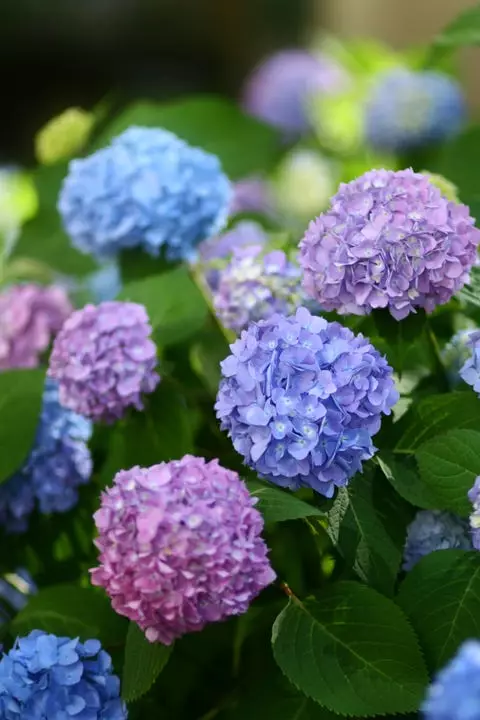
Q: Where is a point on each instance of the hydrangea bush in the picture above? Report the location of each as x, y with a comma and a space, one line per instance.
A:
240, 400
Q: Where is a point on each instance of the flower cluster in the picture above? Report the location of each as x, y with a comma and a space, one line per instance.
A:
148, 189
470, 371
389, 240
104, 359
58, 464
434, 530
251, 195
279, 88
455, 354
180, 546
45, 677
256, 285
408, 109
455, 692
474, 497
63, 136
30, 316
301, 399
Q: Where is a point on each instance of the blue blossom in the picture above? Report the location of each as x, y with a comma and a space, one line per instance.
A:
455, 692
15, 588
408, 109
45, 677
470, 370
105, 283
58, 463
434, 530
147, 189
301, 399
454, 355
474, 497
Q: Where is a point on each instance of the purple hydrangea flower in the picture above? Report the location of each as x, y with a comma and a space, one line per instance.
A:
147, 189
454, 355
251, 195
180, 546
45, 677
58, 464
474, 497
407, 109
389, 240
455, 692
30, 316
256, 285
301, 399
104, 359
470, 371
278, 89
434, 530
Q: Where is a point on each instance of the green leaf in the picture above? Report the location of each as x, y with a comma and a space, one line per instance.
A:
435, 415
351, 650
457, 161
441, 596
367, 525
144, 661
403, 476
278, 505
448, 465
399, 336
207, 353
244, 145
20, 407
463, 30
71, 611
174, 304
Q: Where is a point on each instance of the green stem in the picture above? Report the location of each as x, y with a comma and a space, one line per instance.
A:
198, 278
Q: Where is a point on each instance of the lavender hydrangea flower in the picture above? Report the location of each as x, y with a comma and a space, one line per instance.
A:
104, 359
45, 677
251, 195
147, 189
278, 89
180, 547
301, 399
58, 464
455, 692
30, 316
389, 240
454, 355
470, 371
408, 109
474, 497
256, 285
433, 530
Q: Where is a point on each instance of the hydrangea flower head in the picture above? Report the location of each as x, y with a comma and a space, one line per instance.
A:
455, 692
304, 183
63, 136
447, 188
105, 283
18, 203
147, 189
278, 89
251, 195
255, 285
407, 109
180, 547
58, 464
388, 240
470, 371
30, 316
45, 677
474, 497
301, 399
455, 354
433, 530
104, 360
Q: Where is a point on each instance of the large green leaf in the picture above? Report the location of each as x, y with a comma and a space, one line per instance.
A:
144, 661
457, 161
441, 597
174, 304
20, 406
277, 505
243, 144
402, 474
70, 611
352, 650
435, 415
449, 465
367, 524
463, 30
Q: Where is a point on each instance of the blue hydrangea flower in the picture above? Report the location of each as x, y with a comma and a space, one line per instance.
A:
105, 283
470, 370
45, 677
15, 588
454, 355
474, 497
408, 109
147, 189
58, 464
301, 399
455, 692
434, 530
